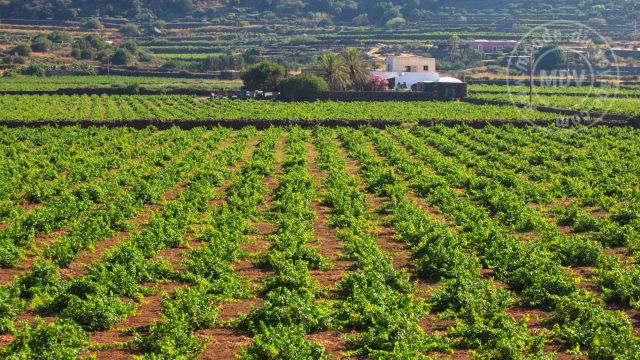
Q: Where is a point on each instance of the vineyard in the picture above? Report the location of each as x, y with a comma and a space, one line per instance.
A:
29, 83
610, 103
183, 107
324, 243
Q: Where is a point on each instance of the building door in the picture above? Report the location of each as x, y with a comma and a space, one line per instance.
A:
450, 93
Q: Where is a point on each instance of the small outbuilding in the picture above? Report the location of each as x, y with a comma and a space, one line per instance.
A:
444, 88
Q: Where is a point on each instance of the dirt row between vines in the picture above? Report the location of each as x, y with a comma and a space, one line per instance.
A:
42, 240
225, 341
78, 266
332, 249
149, 310
536, 317
26, 207
586, 276
77, 269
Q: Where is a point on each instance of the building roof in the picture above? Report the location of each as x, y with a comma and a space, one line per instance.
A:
446, 79
408, 56
500, 41
408, 76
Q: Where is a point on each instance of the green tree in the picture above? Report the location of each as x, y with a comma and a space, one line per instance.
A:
160, 24
87, 54
129, 30
550, 57
92, 41
41, 44
21, 50
334, 71
35, 70
121, 57
264, 76
93, 24
302, 87
60, 37
105, 55
395, 22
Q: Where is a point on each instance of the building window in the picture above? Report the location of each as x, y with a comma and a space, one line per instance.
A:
425, 68
407, 69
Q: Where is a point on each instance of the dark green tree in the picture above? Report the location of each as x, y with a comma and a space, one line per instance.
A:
41, 44
122, 57
21, 50
93, 24
302, 87
60, 37
549, 57
264, 76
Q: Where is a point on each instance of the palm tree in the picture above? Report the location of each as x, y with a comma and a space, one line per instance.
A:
334, 72
356, 68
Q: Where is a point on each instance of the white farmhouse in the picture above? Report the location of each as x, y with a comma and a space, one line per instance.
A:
405, 71
410, 63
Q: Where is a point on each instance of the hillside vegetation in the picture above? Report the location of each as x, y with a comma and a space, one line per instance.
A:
348, 11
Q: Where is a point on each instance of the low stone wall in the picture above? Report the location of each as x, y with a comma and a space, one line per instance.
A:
221, 75
565, 112
110, 91
525, 82
370, 96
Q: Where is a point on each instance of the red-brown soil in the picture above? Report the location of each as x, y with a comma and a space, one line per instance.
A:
226, 343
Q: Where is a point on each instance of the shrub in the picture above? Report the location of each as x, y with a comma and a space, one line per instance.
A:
35, 70
60, 340
583, 323
87, 54
302, 87
170, 341
41, 44
122, 57
93, 24
60, 37
21, 50
395, 22
129, 30
377, 83
10, 307
97, 311
283, 343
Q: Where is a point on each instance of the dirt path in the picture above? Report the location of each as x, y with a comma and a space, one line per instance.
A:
77, 267
150, 310
328, 244
8, 274
226, 342
332, 249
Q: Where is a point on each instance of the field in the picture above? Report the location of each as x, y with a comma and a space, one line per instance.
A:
629, 106
403, 243
183, 107
53, 83
586, 89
